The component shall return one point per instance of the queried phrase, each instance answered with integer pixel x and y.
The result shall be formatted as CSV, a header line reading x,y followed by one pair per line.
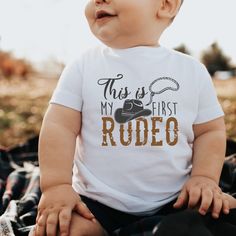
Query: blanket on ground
x,y
20,194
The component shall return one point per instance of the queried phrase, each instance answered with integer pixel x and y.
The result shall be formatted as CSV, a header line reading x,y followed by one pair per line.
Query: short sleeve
x,y
68,91
209,107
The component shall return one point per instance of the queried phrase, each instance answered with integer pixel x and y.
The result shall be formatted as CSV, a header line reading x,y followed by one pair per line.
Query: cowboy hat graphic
x,y
132,109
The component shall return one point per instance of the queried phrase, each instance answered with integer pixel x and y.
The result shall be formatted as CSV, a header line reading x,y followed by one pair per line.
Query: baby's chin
x,y
107,38
118,42
111,43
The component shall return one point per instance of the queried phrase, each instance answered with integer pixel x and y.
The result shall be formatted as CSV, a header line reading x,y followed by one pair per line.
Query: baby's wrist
x,y
47,187
204,176
48,180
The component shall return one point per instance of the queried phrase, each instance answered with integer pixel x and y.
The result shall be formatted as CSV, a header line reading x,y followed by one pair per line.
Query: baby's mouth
x,y
103,14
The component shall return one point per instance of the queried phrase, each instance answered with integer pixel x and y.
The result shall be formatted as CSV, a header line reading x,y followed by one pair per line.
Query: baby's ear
x,y
169,8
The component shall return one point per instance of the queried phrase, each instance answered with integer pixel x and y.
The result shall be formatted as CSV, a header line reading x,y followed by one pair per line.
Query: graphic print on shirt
x,y
133,109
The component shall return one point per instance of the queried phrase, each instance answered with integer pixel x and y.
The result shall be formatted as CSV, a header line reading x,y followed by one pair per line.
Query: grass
x,y
23,103
226,91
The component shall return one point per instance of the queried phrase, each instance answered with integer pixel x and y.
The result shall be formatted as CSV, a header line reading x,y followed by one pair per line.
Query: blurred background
x,y
38,37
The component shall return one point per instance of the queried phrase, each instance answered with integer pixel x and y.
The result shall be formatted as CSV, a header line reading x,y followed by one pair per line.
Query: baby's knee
x,y
80,226
83,227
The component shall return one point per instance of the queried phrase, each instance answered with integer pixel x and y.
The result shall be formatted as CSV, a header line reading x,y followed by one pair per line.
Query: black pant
x,y
112,219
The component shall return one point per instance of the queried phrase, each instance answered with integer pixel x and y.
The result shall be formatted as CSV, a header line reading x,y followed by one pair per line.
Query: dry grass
x,y
23,103
226,90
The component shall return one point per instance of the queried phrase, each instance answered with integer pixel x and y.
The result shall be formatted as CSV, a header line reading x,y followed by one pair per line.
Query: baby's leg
x,y
80,226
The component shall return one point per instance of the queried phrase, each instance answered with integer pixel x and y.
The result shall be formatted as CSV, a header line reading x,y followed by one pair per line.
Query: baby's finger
x,y
182,199
226,206
52,222
194,197
37,217
41,225
83,210
217,205
64,221
207,198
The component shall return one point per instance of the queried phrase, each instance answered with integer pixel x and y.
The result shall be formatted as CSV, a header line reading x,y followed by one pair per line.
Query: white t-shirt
x,y
138,107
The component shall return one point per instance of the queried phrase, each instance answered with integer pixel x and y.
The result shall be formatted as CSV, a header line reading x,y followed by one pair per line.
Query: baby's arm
x,y
60,128
208,158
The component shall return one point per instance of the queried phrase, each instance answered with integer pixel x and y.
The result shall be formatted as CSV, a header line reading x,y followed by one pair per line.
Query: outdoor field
x,y
22,105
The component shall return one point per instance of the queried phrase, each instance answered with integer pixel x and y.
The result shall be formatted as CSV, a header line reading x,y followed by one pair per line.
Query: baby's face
x,y
123,23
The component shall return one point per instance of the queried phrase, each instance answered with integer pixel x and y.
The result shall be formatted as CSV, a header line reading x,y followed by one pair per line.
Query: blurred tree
x,y
182,48
215,60
11,66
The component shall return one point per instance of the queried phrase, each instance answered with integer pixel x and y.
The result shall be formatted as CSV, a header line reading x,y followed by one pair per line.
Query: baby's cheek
x,y
89,10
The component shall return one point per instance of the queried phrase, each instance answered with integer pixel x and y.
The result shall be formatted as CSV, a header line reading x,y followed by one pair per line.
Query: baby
x,y
132,128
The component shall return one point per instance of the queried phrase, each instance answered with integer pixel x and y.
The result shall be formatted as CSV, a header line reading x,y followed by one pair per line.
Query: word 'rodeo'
x,y
142,132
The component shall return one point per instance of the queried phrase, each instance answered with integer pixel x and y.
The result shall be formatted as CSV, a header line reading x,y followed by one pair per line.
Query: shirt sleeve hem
x,y
67,99
207,115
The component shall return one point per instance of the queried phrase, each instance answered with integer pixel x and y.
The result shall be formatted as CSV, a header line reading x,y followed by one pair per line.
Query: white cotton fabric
x,y
108,85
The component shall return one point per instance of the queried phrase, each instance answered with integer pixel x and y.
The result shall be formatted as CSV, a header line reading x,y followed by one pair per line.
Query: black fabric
x,y
5,167
228,177
112,219
109,218
191,223
230,147
19,188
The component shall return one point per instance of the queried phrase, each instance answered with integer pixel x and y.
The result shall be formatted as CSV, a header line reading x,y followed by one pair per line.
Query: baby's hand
x,y
55,208
231,200
203,192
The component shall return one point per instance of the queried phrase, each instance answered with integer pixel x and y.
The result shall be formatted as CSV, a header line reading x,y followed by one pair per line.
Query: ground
x,y
226,90
23,103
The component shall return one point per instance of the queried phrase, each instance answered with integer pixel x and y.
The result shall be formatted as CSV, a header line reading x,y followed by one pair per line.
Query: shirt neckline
x,y
139,50
136,48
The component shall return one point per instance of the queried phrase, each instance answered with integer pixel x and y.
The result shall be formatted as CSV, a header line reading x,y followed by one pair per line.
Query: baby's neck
x,y
137,45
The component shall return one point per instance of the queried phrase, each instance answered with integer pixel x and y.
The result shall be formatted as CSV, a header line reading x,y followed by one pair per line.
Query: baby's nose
x,y
101,1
